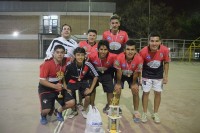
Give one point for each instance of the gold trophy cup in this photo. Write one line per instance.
(60, 76)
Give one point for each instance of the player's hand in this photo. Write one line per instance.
(118, 88)
(135, 88)
(165, 80)
(87, 91)
(58, 86)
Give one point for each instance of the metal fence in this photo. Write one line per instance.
(180, 49)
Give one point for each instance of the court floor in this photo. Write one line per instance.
(20, 110)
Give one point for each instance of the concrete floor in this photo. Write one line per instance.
(19, 102)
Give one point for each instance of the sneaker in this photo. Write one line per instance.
(105, 109)
(73, 114)
(59, 115)
(120, 111)
(83, 112)
(144, 117)
(136, 117)
(80, 106)
(156, 118)
(43, 120)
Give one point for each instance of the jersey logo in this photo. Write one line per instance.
(108, 63)
(154, 64)
(95, 62)
(121, 37)
(45, 101)
(123, 65)
(148, 57)
(108, 38)
(161, 55)
(133, 65)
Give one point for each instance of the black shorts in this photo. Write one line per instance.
(47, 99)
(128, 79)
(81, 86)
(107, 82)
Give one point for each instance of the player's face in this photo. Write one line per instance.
(154, 43)
(130, 52)
(103, 52)
(80, 58)
(66, 32)
(114, 24)
(92, 37)
(59, 55)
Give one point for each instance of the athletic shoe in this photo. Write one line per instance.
(59, 115)
(43, 120)
(73, 114)
(80, 106)
(144, 117)
(156, 118)
(136, 117)
(106, 108)
(83, 112)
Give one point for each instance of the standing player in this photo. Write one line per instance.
(129, 68)
(156, 61)
(51, 77)
(76, 76)
(90, 46)
(103, 62)
(65, 40)
(116, 37)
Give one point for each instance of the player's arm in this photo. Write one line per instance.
(166, 69)
(166, 65)
(94, 81)
(119, 76)
(118, 81)
(134, 85)
(46, 83)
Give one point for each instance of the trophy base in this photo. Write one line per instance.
(114, 131)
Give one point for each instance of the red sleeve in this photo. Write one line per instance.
(166, 55)
(104, 36)
(44, 70)
(139, 64)
(126, 37)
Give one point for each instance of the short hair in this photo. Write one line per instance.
(115, 16)
(66, 25)
(79, 50)
(155, 34)
(103, 43)
(59, 47)
(131, 43)
(92, 30)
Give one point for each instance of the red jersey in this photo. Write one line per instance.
(51, 71)
(128, 68)
(102, 65)
(88, 48)
(153, 62)
(116, 42)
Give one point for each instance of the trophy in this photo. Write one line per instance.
(113, 115)
(60, 76)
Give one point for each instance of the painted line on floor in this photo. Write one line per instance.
(60, 124)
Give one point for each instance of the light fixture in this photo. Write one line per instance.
(15, 33)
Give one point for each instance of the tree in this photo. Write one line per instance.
(188, 25)
(135, 18)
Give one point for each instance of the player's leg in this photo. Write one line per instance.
(158, 87)
(146, 86)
